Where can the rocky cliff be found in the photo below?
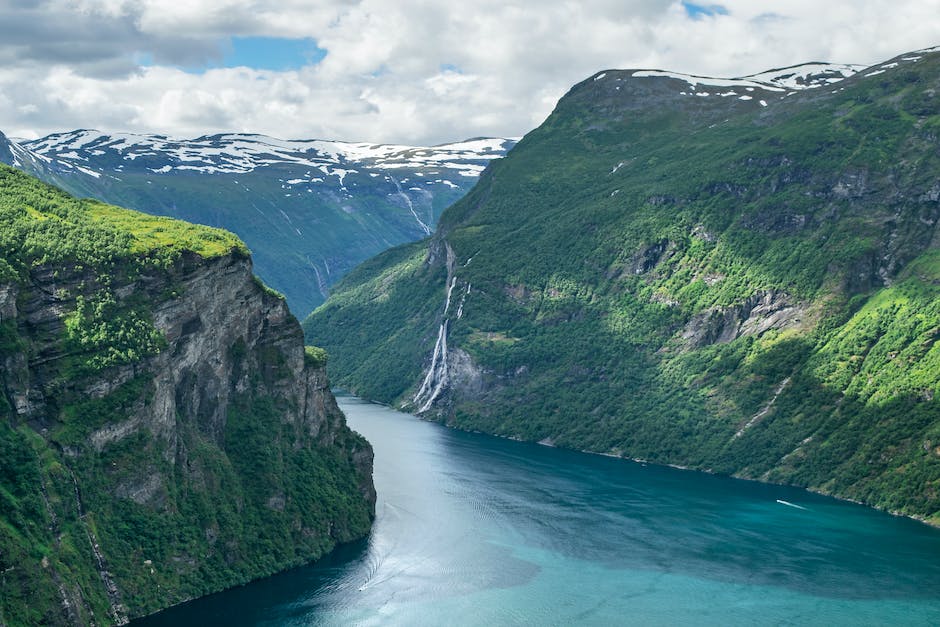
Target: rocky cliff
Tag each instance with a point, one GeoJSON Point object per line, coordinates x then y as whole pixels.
{"type": "Point", "coordinates": [166, 435]}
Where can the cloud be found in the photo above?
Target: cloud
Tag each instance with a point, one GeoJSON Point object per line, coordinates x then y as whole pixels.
{"type": "Point", "coordinates": [412, 71]}
{"type": "Point", "coordinates": [33, 35]}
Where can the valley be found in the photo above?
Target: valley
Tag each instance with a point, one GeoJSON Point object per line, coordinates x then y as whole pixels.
{"type": "Point", "coordinates": [727, 289]}
{"type": "Point", "coordinates": [309, 210]}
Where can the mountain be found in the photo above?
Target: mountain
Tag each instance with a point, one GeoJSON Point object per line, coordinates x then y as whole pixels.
{"type": "Point", "coordinates": [6, 150]}
{"type": "Point", "coordinates": [163, 432]}
{"type": "Point", "coordinates": [309, 210]}
{"type": "Point", "coordinates": [733, 275]}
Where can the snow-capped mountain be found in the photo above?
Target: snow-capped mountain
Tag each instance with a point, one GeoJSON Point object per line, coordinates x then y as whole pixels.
{"type": "Point", "coordinates": [793, 78]}
{"type": "Point", "coordinates": [766, 86]}
{"type": "Point", "coordinates": [761, 88]}
{"type": "Point", "coordinates": [240, 153]}
{"type": "Point", "coordinates": [310, 210]}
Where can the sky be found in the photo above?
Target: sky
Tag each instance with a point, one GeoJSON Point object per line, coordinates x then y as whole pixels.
{"type": "Point", "coordinates": [417, 72]}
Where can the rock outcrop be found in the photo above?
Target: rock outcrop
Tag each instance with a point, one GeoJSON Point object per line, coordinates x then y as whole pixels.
{"type": "Point", "coordinates": [763, 311]}
{"type": "Point", "coordinates": [214, 455]}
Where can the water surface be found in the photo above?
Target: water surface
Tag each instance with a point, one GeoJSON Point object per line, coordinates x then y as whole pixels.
{"type": "Point", "coordinates": [475, 530]}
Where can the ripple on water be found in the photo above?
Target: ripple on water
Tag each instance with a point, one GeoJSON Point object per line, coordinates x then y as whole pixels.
{"type": "Point", "coordinates": [473, 530]}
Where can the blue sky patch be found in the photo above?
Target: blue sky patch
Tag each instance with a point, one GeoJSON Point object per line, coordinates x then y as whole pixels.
{"type": "Point", "coordinates": [144, 59]}
{"type": "Point", "coordinates": [258, 53]}
{"type": "Point", "coordinates": [272, 53]}
{"type": "Point", "coordinates": [698, 11]}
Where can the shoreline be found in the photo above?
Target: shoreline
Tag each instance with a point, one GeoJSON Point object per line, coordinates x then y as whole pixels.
{"type": "Point", "coordinates": [550, 443]}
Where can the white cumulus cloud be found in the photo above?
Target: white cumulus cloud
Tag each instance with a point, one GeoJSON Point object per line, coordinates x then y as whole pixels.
{"type": "Point", "coordinates": [410, 71]}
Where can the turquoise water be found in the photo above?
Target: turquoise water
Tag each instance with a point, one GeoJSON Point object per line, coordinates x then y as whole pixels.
{"type": "Point", "coordinates": [475, 530]}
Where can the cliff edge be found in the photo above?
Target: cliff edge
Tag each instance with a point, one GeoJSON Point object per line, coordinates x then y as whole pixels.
{"type": "Point", "coordinates": [164, 432]}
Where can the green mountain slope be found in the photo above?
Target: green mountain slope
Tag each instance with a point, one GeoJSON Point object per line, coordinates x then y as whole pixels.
{"type": "Point", "coordinates": [731, 279]}
{"type": "Point", "coordinates": [310, 210]}
{"type": "Point", "coordinates": [163, 433]}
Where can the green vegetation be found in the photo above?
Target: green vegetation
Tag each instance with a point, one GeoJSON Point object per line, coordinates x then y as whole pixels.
{"type": "Point", "coordinates": [166, 236]}
{"type": "Point", "coordinates": [99, 482]}
{"type": "Point", "coordinates": [315, 357]}
{"type": "Point", "coordinates": [112, 334]}
{"type": "Point", "coordinates": [40, 224]}
{"type": "Point", "coordinates": [238, 510]}
{"type": "Point", "coordinates": [695, 281]}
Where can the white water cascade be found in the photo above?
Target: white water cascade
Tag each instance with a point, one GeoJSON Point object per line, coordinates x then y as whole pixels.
{"type": "Point", "coordinates": [411, 207]}
{"type": "Point", "coordinates": [437, 377]}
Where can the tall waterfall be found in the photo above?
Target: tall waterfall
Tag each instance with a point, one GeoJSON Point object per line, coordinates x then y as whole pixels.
{"type": "Point", "coordinates": [437, 377]}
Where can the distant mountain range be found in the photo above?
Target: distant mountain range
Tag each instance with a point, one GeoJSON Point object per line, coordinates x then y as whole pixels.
{"type": "Point", "coordinates": [733, 275]}
{"type": "Point", "coordinates": [310, 210]}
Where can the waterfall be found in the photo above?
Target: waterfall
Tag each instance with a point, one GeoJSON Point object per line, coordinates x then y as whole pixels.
{"type": "Point", "coordinates": [463, 299]}
{"type": "Point", "coordinates": [437, 377]}
{"type": "Point", "coordinates": [411, 207]}
{"type": "Point", "coordinates": [432, 370]}
{"type": "Point", "coordinates": [440, 372]}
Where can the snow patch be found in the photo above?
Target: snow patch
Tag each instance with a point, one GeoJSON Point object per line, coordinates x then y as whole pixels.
{"type": "Point", "coordinates": [239, 153]}
{"type": "Point", "coordinates": [88, 172]}
{"type": "Point", "coordinates": [705, 80]}
{"type": "Point", "coordinates": [794, 78]}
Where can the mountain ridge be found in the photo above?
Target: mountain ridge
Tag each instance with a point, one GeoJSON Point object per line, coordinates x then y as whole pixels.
{"type": "Point", "coordinates": [458, 157]}
{"type": "Point", "coordinates": [787, 79]}
{"type": "Point", "coordinates": [309, 209]}
{"type": "Point", "coordinates": [706, 282]}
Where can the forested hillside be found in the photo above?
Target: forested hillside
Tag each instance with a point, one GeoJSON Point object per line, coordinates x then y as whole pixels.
{"type": "Point", "coordinates": [163, 432]}
{"type": "Point", "coordinates": [715, 274]}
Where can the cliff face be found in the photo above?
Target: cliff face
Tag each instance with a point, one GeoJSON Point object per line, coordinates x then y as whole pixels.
{"type": "Point", "coordinates": [166, 437]}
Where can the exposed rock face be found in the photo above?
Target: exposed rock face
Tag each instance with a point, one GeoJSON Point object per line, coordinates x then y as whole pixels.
{"type": "Point", "coordinates": [765, 310]}
{"type": "Point", "coordinates": [221, 329]}
{"type": "Point", "coordinates": [228, 419]}
{"type": "Point", "coordinates": [467, 378]}
{"type": "Point", "coordinates": [6, 155]}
